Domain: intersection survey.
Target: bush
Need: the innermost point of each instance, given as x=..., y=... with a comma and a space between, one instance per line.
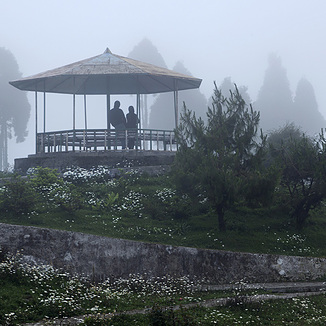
x=166, y=317
x=117, y=320
x=17, y=197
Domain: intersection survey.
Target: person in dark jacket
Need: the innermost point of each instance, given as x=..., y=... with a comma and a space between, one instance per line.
x=132, y=123
x=118, y=121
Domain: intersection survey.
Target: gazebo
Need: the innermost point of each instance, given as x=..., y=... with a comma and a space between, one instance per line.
x=106, y=74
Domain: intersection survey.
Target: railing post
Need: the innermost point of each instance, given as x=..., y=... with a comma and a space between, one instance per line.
x=43, y=143
x=61, y=142
x=49, y=144
x=67, y=142
x=164, y=142
x=105, y=138
x=115, y=140
x=126, y=138
x=38, y=143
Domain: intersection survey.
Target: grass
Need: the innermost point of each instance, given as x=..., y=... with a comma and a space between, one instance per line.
x=147, y=209
x=31, y=293
x=245, y=233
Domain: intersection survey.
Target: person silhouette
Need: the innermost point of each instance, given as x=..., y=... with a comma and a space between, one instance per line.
x=118, y=121
x=131, y=124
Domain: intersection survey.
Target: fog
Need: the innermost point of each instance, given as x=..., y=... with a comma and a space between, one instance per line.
x=213, y=39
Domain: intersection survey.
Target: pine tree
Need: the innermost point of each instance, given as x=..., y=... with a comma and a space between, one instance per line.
x=162, y=111
x=221, y=160
x=274, y=99
x=145, y=51
x=227, y=87
x=307, y=114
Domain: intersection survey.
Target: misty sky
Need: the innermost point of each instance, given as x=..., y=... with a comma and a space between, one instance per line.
x=213, y=39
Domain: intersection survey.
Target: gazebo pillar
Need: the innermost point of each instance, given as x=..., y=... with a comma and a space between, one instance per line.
x=73, y=112
x=85, y=113
x=138, y=110
x=44, y=105
x=35, y=122
x=108, y=108
x=176, y=100
x=73, y=121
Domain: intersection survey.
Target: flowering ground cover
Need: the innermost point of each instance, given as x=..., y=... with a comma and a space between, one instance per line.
x=146, y=208
x=32, y=293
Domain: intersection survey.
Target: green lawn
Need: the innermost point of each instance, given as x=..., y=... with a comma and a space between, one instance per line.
x=147, y=209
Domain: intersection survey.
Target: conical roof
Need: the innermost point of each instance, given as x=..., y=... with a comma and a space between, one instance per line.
x=107, y=73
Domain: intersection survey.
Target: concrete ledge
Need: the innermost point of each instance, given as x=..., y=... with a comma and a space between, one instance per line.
x=87, y=160
x=101, y=257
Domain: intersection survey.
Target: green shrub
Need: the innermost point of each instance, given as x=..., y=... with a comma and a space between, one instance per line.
x=159, y=316
x=106, y=320
x=17, y=197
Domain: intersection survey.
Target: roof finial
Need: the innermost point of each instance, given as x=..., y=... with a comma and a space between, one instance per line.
x=107, y=51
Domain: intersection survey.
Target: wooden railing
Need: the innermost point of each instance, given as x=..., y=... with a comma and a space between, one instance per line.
x=105, y=140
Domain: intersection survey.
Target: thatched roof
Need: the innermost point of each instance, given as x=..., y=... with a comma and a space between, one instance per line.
x=107, y=73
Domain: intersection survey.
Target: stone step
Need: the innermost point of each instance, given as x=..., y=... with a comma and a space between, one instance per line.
x=284, y=287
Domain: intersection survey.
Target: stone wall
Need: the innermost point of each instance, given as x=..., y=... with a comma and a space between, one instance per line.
x=101, y=257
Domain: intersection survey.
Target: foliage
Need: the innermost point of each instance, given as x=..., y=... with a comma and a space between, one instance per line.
x=31, y=293
x=52, y=293
x=146, y=51
x=277, y=106
x=219, y=160
x=113, y=320
x=161, y=112
x=228, y=85
x=149, y=208
x=14, y=106
x=281, y=136
x=274, y=100
x=95, y=191
x=159, y=316
x=78, y=175
x=302, y=164
x=43, y=177
x=17, y=197
x=305, y=104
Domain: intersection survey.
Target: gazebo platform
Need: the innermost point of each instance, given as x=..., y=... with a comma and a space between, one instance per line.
x=87, y=160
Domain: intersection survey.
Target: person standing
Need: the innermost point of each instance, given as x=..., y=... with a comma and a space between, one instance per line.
x=118, y=121
x=131, y=123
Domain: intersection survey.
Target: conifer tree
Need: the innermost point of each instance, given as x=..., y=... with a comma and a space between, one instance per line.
x=162, y=110
x=274, y=99
x=14, y=106
x=145, y=51
x=221, y=159
x=306, y=110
